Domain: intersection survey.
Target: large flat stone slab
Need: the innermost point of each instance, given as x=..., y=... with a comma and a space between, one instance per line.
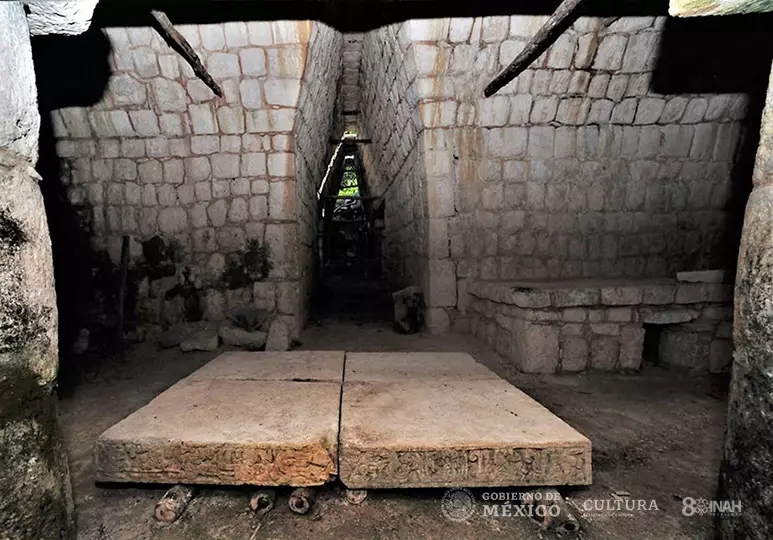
x=442, y=420
x=408, y=420
x=455, y=433
x=229, y=432
x=412, y=366
x=275, y=366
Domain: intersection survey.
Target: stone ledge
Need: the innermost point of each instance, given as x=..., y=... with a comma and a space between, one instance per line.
x=608, y=292
x=570, y=327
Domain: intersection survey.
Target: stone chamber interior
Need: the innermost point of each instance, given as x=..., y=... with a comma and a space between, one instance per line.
x=620, y=153
x=353, y=155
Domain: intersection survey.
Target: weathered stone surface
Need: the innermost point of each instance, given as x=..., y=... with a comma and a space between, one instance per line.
x=203, y=339
x=621, y=296
x=575, y=297
x=631, y=348
x=574, y=351
x=526, y=298
x=454, y=432
x=668, y=316
x=279, y=338
x=725, y=330
x=658, y=294
x=747, y=461
x=605, y=329
x=205, y=432
x=298, y=366
x=561, y=175
x=608, y=334
x=681, y=349
x=684, y=8
x=238, y=337
x=33, y=463
x=414, y=366
x=696, y=293
x=438, y=321
x=426, y=408
x=69, y=18
x=604, y=353
x=536, y=347
x=702, y=276
x=222, y=154
x=251, y=318
x=19, y=116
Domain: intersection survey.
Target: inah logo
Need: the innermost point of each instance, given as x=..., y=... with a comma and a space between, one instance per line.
x=691, y=507
x=458, y=504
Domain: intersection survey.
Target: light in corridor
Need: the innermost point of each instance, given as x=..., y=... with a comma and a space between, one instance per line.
x=331, y=163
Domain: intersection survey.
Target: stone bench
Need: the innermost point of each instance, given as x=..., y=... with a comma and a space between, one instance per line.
x=575, y=326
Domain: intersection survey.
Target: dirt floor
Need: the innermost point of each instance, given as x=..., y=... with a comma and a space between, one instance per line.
x=656, y=437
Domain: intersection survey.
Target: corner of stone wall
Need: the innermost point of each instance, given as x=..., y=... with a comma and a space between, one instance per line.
x=578, y=168
x=161, y=156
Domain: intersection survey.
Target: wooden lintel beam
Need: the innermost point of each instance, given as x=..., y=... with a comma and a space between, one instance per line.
x=561, y=18
x=178, y=42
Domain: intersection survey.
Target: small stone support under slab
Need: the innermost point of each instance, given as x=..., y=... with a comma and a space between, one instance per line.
x=574, y=326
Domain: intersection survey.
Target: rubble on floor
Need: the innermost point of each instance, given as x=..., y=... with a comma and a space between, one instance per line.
x=204, y=339
x=234, y=336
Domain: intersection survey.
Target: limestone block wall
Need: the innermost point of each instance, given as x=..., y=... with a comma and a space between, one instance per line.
x=350, y=81
x=160, y=154
x=391, y=118
x=600, y=325
x=315, y=126
x=578, y=168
